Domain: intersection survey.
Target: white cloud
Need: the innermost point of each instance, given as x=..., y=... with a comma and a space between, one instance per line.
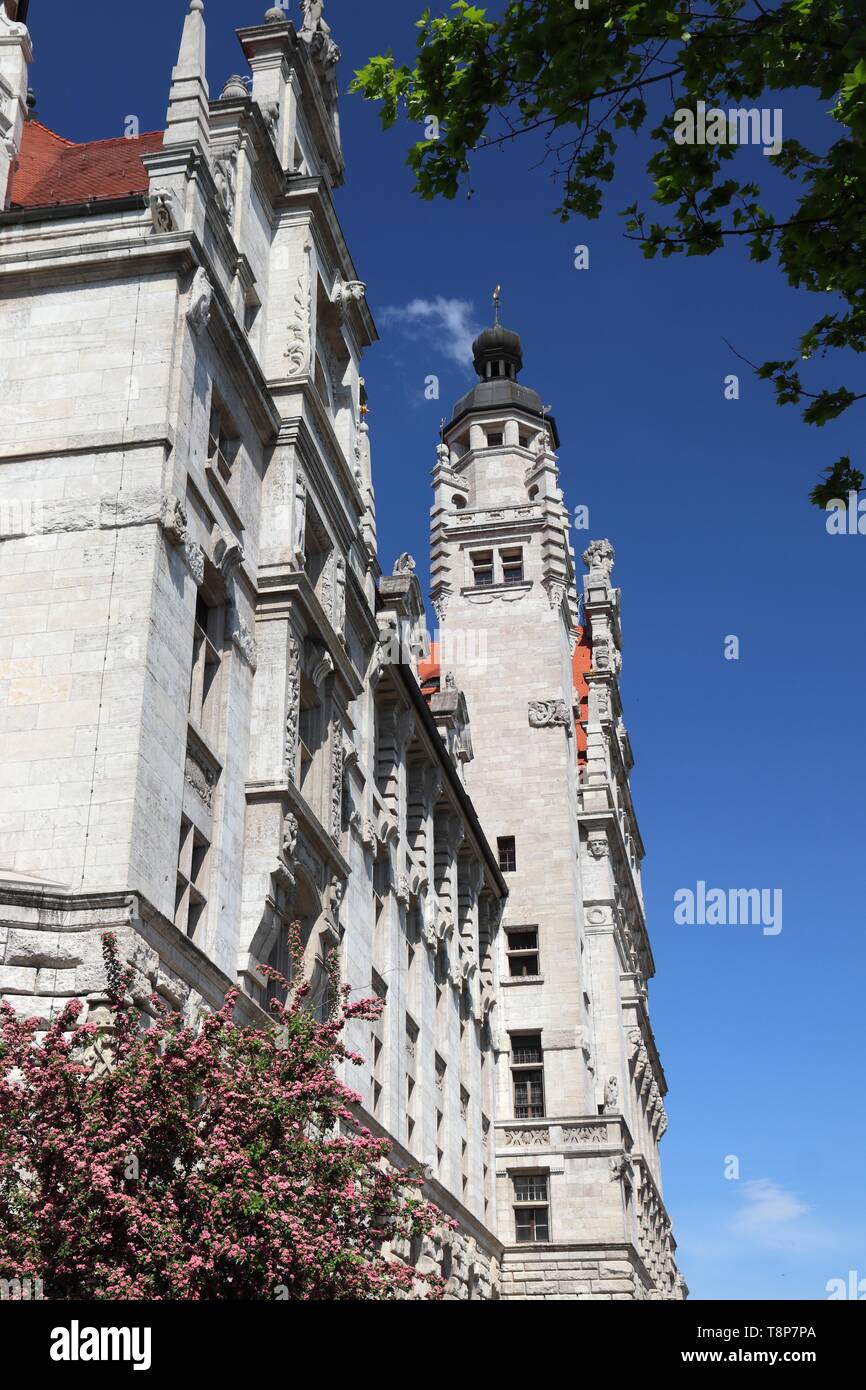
x=446, y=323
x=772, y=1216
x=766, y=1205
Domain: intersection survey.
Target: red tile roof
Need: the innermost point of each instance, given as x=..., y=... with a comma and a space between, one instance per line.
x=50, y=170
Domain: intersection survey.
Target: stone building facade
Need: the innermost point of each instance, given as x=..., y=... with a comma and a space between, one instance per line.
x=218, y=715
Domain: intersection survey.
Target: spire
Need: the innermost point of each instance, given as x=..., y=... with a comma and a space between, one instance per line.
x=188, y=116
x=497, y=301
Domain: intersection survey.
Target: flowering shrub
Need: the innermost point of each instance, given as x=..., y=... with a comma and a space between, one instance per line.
x=216, y=1162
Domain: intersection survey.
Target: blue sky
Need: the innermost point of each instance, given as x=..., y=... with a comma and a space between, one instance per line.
x=749, y=773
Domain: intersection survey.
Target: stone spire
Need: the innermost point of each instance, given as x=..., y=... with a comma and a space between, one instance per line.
x=188, y=120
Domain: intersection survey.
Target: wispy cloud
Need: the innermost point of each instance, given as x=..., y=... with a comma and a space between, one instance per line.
x=767, y=1207
x=446, y=323
x=771, y=1216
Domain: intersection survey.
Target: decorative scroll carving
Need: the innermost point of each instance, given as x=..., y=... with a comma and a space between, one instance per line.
x=293, y=683
x=349, y=292
x=227, y=553
x=200, y=301
x=542, y=444
x=611, y=1096
x=621, y=1169
x=584, y=1134
x=290, y=837
x=526, y=1138
x=162, y=214
x=337, y=788
x=271, y=116
x=324, y=667
x=339, y=605
x=326, y=589
x=601, y=656
x=599, y=557
x=201, y=778
x=335, y=897
x=174, y=524
x=440, y=607
x=555, y=593
x=225, y=173
x=300, y=323
x=548, y=714
x=243, y=641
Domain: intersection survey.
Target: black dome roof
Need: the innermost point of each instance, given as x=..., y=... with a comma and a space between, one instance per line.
x=497, y=345
x=494, y=392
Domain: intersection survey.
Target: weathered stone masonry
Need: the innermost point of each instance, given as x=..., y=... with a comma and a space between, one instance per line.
x=218, y=715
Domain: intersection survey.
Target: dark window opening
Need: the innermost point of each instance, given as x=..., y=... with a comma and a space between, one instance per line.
x=512, y=566
x=482, y=568
x=522, y=951
x=507, y=854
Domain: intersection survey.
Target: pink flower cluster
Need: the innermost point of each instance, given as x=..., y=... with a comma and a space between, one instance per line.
x=222, y=1162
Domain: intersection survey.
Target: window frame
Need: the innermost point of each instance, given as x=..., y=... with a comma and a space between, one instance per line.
x=527, y=1073
x=535, y=1207
x=502, y=852
x=223, y=442
x=513, y=569
x=483, y=562
x=205, y=691
x=193, y=866
x=514, y=954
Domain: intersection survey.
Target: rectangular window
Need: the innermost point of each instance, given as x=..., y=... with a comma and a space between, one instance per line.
x=507, y=854
x=527, y=1075
x=531, y=1208
x=522, y=949
x=204, y=682
x=528, y=1094
x=223, y=440
x=512, y=566
x=377, y=1041
x=495, y=440
x=190, y=902
x=381, y=884
x=482, y=568
x=526, y=1049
